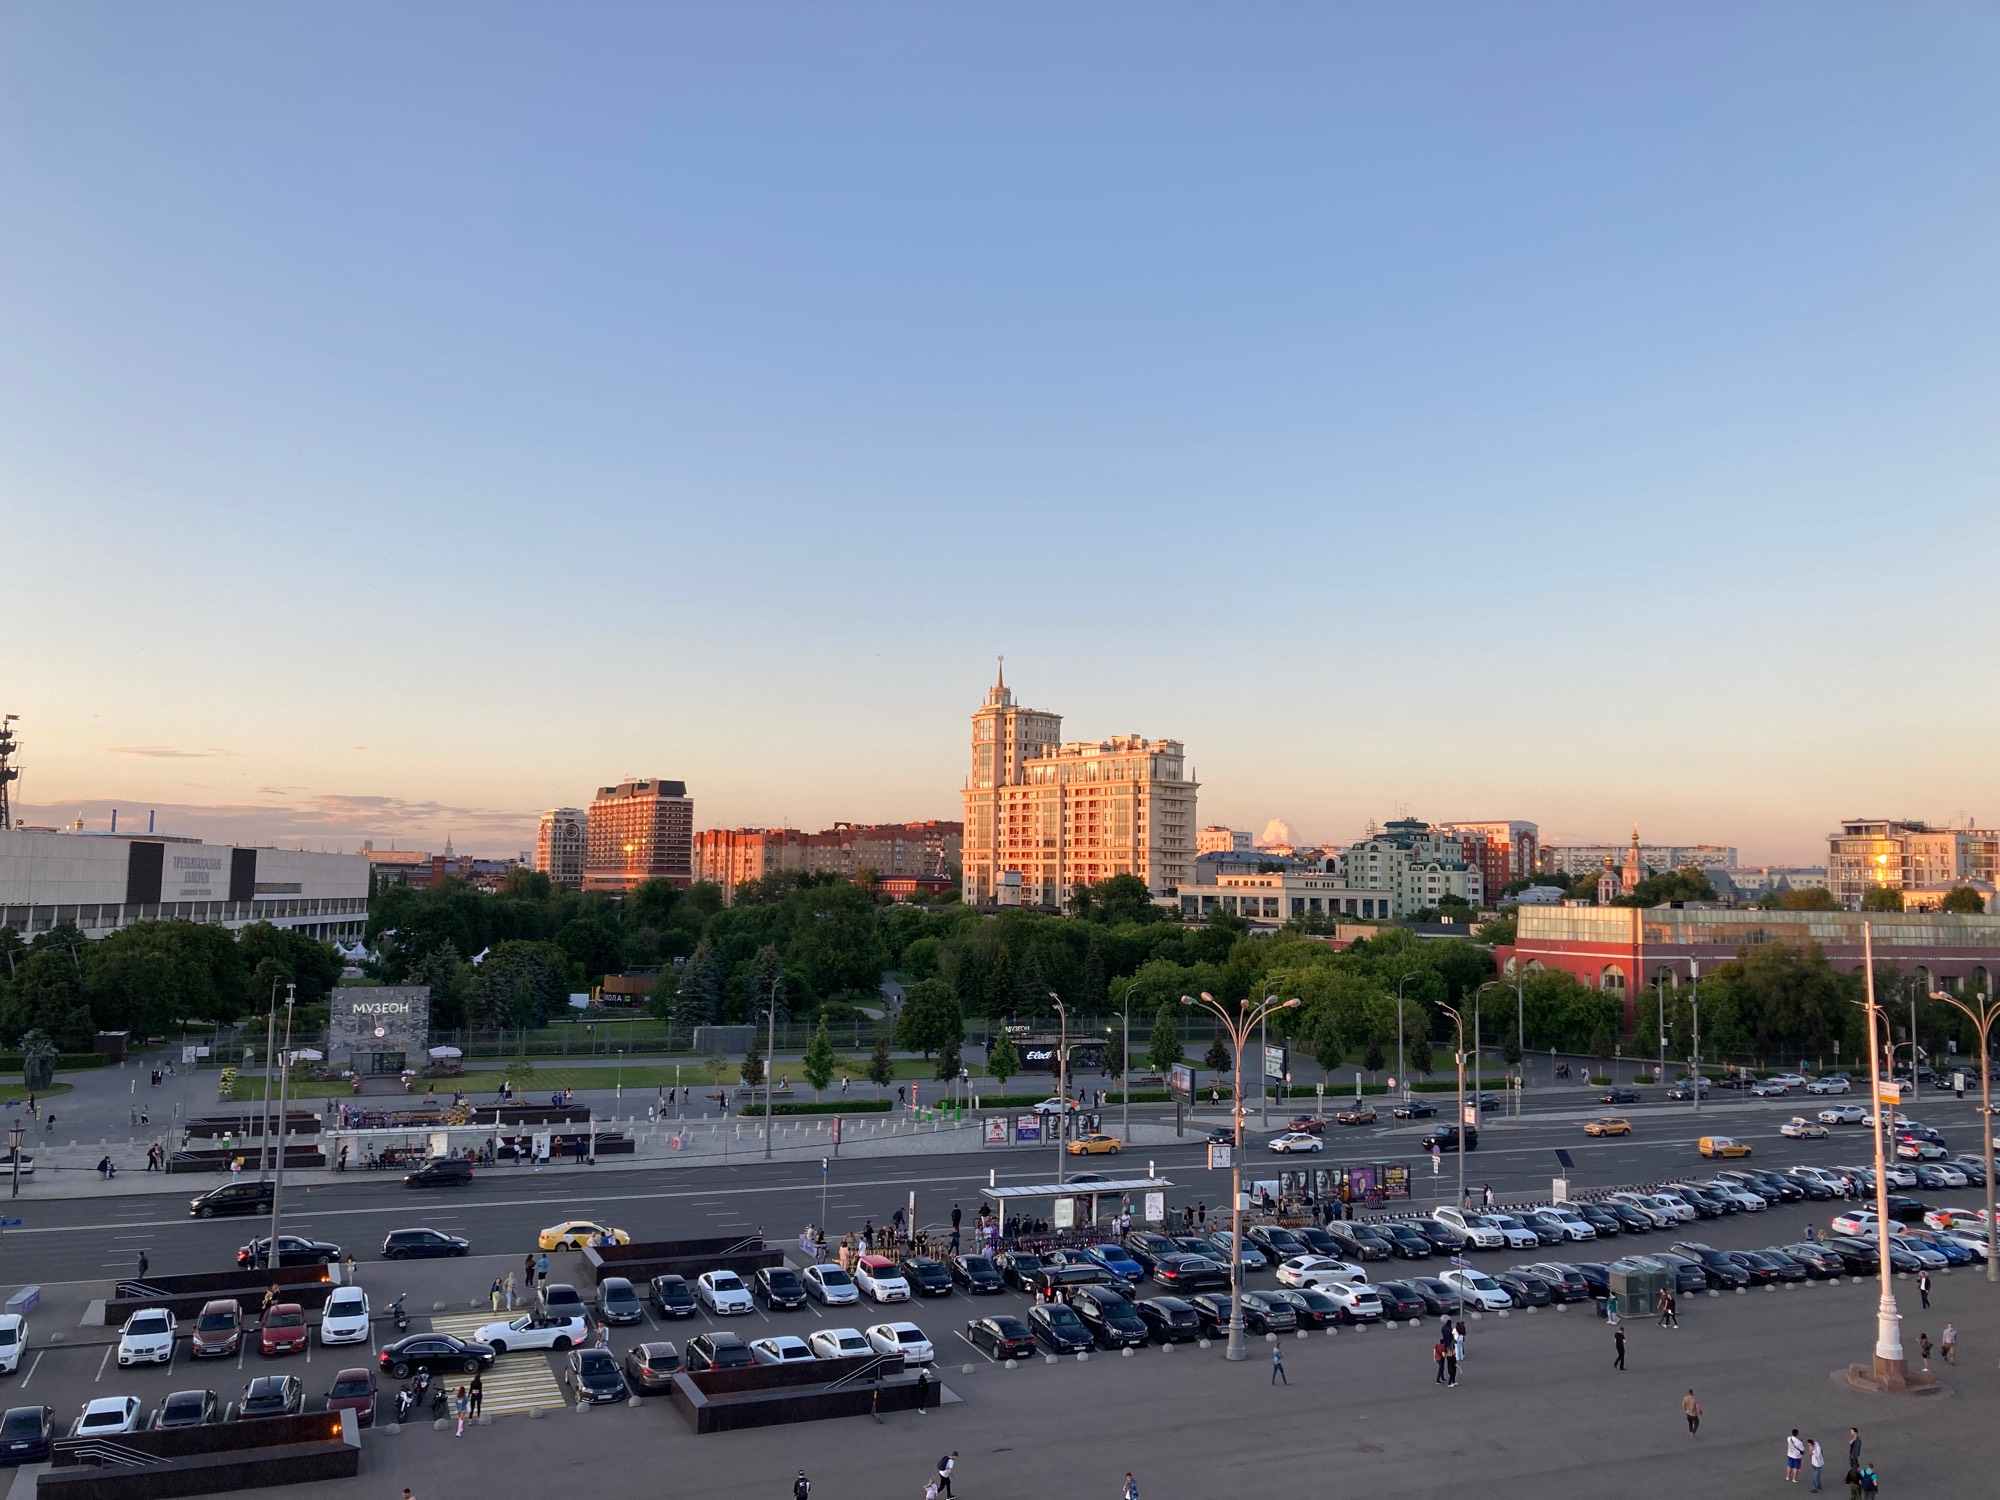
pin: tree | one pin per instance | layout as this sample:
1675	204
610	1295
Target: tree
519	984
46	995
1421	1060
1114	1053
947	1063
1094	995
1003	1059
1502	931
1218	1058
752	1071
1963	900
1372	1059
1164	1050
1881	898
1000	998
1669	885
1511	1050
703	981
881	1066
930	1017
450	979
819	1060
1804	898
764	986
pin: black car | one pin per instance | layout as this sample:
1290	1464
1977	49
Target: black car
1689	1275
1907	1210
1067	1278
1526	1288
1858	1255
1406	1243
1440	1297
1565	1284
1766	1269
672	1296
1311	1307
1619	1096
1401	1300
1058	1329
1600	1218
1816	1192
1414	1109
1546	1230
1318	1242
1277	1244
1016	1267
230	1198
927	1278
272	1396
1596	1275
1109	1317
1221	1135
293	1250
1356	1242
1706	1205
1001	1336
446	1171
189	1409
1170	1320
1442	1238
1629	1218
26	1433
1445	1138
618	1301
1787	1261
1722	1271
1190	1273
1820	1261
594	1375
974	1274
1906	1261
437	1352
776	1287
651	1367
1264	1313
1145	1247
718	1351
422	1244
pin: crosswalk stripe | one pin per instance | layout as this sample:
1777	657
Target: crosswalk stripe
517	1382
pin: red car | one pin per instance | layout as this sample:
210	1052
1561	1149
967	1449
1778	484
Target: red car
1310	1124
284	1330
353	1390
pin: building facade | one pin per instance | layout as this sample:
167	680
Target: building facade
1418	865
1919	861
1062	815
927	853
562	846
381	1030
1273	897
1505	849
1572	860
1217	839
639	830
102	882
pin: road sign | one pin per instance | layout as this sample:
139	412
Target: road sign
1472	1114
1889	1093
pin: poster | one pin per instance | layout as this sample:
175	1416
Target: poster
996	1130
1181	1080
1395	1182
1065	1213
1156	1208
1027	1129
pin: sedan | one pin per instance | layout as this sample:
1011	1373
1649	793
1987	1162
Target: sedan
1722	1270
530	1331
1520	1236
1318	1270
1619	1096
830	1286
1096	1144
651	1367
272	1396
106	1416
1843	1114
1414	1109
437	1352
1938	1175
777	1287
197	1409
1361	1114
974	1274
595	1377
1001	1336
1441	1297
1189	1273
353	1389
27	1434
292	1251
618	1301
672	1297
284	1330
1317	1309
1116	1260
576	1234
1407	1243
1400	1300
1608	1125
838	1343
1294	1141
723	1293
147	1338
1058	1329
1252	1258
781	1349
1017	1267
1171	1320
905	1339
1600	1219
1478	1289
1856	1221
1110	1318
344	1319
1055	1104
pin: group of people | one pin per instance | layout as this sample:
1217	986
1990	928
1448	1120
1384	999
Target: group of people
1802	1453
1449	1351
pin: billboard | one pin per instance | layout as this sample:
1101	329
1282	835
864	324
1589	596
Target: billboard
996	1130
1027	1129
1274	1064
1180	1081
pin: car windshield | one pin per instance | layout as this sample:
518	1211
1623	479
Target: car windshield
1010	1328
21	1423
266	1387
597	1361
1479	1281
854	1342
154	1324
103	1418
352	1385
1060	1316
725	1281
284	1317
834	1276
346	1304
216	1322
976	1263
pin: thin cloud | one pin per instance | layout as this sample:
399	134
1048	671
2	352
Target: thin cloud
167	752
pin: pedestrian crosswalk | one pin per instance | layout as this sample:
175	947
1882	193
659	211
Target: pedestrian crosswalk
517	1382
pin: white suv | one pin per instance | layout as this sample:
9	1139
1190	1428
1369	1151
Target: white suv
1829	1086
147	1338
1478	1233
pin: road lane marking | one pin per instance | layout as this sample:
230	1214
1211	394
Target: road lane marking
33	1366
974	1348
105	1361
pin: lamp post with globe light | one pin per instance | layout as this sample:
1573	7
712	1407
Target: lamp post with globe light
1982	1012
1239	1027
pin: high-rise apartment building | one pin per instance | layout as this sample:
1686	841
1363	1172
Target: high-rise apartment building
1043	817
890	851
639	830
1916	859
1506	850
561	845
1586	859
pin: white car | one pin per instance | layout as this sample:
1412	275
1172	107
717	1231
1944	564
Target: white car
905	1339
1682	1210
1799	1128
723	1293
829	1286
344	1319
879	1279
1970	1236
1575	1225
1860	1222
1789	1080
1843	1114
13	1341
107	1416
1359	1301
1478	1289
147	1338
1768	1088
837	1343
1828	1180
531	1332
1913	1148
783	1349
1295	1140
1899	1119
1953	1176
1899	1176
1517	1235
1055	1104
1944	1220
1318	1271
1479	1232
1830	1086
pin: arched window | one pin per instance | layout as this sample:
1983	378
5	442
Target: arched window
1612	979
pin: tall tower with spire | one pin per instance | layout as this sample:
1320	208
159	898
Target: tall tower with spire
1634	871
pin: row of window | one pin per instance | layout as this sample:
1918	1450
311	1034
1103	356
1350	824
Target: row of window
88	917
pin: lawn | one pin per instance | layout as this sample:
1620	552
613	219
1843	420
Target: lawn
641	1077
15	1093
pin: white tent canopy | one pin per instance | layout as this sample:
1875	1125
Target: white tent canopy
444	1052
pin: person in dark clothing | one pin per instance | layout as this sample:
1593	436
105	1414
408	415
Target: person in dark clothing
1618	1335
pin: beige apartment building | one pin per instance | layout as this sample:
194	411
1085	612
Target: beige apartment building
641	829
929	850
562	845
1042	817
1921	861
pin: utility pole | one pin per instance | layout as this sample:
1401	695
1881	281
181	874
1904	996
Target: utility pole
1890	1366
1062	1087
284	1074
770	1055
1982	1013
1458	1051
1694	1016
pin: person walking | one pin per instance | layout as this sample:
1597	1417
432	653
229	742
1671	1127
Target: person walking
542	1270
461	1406
1278	1365
1948	1343
477	1392
507	1291
1924	1289
1816	1459
1795	1455
1130	1490
1450	1361
947	1466
1458	1341
1691	1409
1438	1352
923	1389
528	1274
493	1294
802	1487
1618	1337
1660	1306
1854	1447
146	1265
1924	1344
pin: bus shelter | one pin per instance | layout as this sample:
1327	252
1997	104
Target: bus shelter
1077	1205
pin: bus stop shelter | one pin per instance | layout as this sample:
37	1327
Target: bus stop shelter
1148	1194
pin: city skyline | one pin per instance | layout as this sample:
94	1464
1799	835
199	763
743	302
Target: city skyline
1574	416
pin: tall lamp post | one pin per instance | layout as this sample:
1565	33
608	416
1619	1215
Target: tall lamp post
284	1077
1491	984
1458	1020
1062	1085
1891	1370
770	1058
1399	1029
1239	1026
1125	1071
1694	1020
14	1133
1982	1012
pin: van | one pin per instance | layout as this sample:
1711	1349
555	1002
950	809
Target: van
1721	1145
446	1171
218	1329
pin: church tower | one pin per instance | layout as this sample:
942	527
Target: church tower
1634	871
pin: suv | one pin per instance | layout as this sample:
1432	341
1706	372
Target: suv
232	1198
446	1171
1109	1317
718	1351
218	1329
413	1244
1447	1136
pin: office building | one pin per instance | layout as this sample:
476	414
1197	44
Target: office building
1505	849
1272	897
1055	816
1572	860
562	845
1751	882
641	829
1918	860
924	855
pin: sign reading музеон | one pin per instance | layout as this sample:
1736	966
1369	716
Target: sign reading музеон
402	1016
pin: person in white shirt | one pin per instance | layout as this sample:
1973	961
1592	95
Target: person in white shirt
1795	1452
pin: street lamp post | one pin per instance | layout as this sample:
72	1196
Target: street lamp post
1062	1086
284	1076
1458	1051
1238	1026
1125	1072
1399	1029
770	1056
14	1133
1891	1370
1694	1020
1982	1012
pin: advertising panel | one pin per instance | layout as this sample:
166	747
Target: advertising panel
1027	1129
996	1130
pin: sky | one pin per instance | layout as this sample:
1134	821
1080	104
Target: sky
414	417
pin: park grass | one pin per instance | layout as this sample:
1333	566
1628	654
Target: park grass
16	1093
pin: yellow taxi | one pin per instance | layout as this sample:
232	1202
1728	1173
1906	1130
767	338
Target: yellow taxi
1096	1144
1609	1125
1721	1145
575	1234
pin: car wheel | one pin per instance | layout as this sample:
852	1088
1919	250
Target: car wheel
561	1345
206	1212
400	1372
500	1348
471	1365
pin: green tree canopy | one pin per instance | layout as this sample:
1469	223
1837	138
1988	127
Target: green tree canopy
1881	898
1164	1048
1964	901
819	1060
1003	1059
930	1017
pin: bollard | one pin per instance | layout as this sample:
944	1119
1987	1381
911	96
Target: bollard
1125	1353
1083	1357
1202	1342
1048	1359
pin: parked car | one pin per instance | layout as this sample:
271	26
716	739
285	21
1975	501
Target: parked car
879	1279
108	1416
1189	1273
13	1342
1058	1329
1318	1271
718	1351
974	1274
838	1343
1526	1288
27	1434
218	1329
671	1296
272	1396
1170	1320
1016	1267
558	1299
190	1409
1314	1308
782	1349
651	1367
344	1319
1109	1317
423	1244
1477	1289
1002	1336
618	1301
293	1250
231	1198
283	1330
1477	1230
1276	1243
533	1331
595	1377
900	1338
353	1389
147	1338
1401	1301
723	1293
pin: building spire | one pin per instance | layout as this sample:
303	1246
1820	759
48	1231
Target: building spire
1000	679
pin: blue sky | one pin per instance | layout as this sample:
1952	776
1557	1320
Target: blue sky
411	417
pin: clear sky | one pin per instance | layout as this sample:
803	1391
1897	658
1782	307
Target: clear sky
415	416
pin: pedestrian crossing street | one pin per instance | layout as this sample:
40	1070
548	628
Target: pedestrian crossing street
517	1382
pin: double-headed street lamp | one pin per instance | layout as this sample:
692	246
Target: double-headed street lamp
1399	1028
1458	1021
1982	1012
1239	1026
